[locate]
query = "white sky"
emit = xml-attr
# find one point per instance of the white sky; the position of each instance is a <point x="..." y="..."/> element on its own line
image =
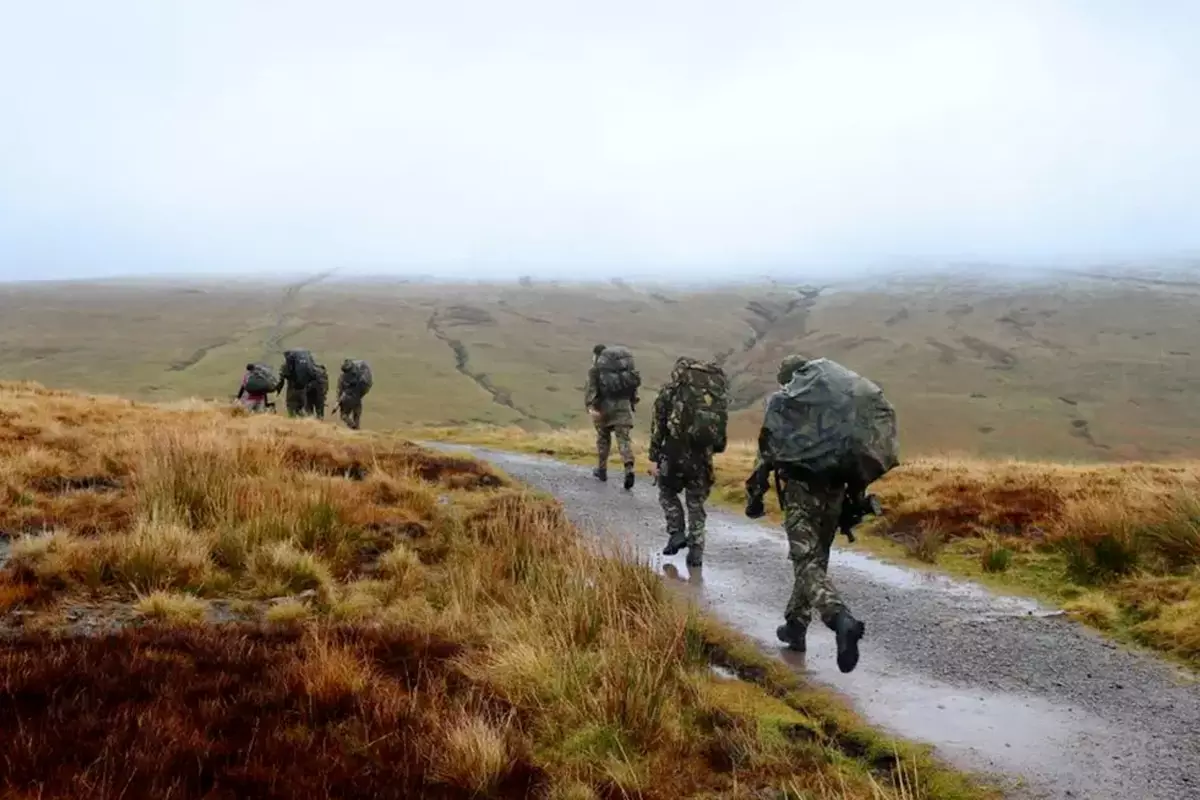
<point x="553" y="137"/>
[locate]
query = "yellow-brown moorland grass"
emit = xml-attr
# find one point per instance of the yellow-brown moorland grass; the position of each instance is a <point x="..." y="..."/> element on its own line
<point x="315" y="613"/>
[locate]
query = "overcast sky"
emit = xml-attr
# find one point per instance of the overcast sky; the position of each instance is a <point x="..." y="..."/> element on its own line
<point x="556" y="137"/>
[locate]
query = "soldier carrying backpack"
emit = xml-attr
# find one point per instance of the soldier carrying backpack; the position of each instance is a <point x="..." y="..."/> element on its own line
<point x="301" y="376"/>
<point x="827" y="434"/>
<point x="687" y="428"/>
<point x="353" y="384"/>
<point x="611" y="397"/>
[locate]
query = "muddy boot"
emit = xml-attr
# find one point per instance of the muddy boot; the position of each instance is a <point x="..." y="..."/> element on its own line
<point x="695" y="556"/>
<point x="600" y="474"/>
<point x="792" y="634"/>
<point x="849" y="631"/>
<point x="677" y="542"/>
<point x="628" y="476"/>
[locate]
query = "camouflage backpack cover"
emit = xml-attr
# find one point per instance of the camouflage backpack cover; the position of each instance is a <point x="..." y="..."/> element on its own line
<point x="616" y="374"/>
<point x="261" y="380"/>
<point x="356" y="377"/>
<point x="699" y="406"/>
<point x="830" y="420"/>
<point x="303" y="367"/>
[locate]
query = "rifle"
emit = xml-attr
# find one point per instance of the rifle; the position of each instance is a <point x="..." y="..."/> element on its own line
<point x="855" y="506"/>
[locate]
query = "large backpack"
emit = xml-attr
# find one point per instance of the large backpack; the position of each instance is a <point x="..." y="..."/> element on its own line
<point x="616" y="375"/>
<point x="699" y="408"/>
<point x="831" y="421"/>
<point x="261" y="380"/>
<point x="303" y="368"/>
<point x="356" y="375"/>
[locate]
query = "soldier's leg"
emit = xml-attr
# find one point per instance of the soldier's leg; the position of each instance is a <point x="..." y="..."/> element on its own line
<point x="356" y="415"/>
<point x="603" y="448"/>
<point x="295" y="402"/>
<point x="668" y="498"/>
<point x="625" y="446"/>
<point x="696" y="491"/>
<point x="810" y="514"/>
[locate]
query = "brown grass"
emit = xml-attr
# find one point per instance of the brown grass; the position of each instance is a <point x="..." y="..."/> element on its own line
<point x="428" y="630"/>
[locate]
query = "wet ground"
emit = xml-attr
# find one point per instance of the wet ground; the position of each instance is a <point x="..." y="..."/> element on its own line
<point x="997" y="684"/>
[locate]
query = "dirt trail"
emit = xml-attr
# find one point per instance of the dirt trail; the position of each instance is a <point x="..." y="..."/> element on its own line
<point x="998" y="685"/>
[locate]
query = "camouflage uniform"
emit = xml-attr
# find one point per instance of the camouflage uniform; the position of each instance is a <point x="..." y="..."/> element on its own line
<point x="349" y="401"/>
<point x="616" y="417"/>
<point x="295" y="397"/>
<point x="811" y="508"/>
<point x="687" y="471"/>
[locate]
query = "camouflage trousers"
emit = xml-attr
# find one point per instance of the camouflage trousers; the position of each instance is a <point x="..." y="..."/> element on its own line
<point x="351" y="410"/>
<point x="314" y="401"/>
<point x="296" y="401"/>
<point x="604" y="434"/>
<point x="695" y="484"/>
<point x="810" y="520"/>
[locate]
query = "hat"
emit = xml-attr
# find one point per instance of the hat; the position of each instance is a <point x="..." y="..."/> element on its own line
<point x="789" y="367"/>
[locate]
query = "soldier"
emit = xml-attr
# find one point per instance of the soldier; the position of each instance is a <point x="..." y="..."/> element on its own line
<point x="610" y="398"/>
<point x="687" y="428"/>
<point x="812" y="507"/>
<point x="256" y="385"/>
<point x="353" y="384"/>
<point x="288" y="375"/>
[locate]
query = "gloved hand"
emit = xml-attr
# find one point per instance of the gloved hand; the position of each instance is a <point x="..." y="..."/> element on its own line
<point x="755" y="508"/>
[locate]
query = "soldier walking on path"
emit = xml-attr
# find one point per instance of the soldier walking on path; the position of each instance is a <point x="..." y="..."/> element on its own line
<point x="611" y="397"/>
<point x="826" y="435"/>
<point x="299" y="373"/>
<point x="686" y="429"/>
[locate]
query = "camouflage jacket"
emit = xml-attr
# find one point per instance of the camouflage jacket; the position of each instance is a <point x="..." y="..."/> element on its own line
<point x="613" y="411"/>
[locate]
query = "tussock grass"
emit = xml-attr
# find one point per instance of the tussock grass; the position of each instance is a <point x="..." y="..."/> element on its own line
<point x="172" y="608"/>
<point x="428" y="630"/>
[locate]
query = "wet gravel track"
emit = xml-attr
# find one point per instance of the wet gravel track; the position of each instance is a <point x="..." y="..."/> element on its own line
<point x="998" y="685"/>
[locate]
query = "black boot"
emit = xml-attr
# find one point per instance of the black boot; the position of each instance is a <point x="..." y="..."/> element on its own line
<point x="695" y="556"/>
<point x="677" y="542"/>
<point x="792" y="634"/>
<point x="849" y="631"/>
<point x="628" y="476"/>
<point x="600" y="473"/>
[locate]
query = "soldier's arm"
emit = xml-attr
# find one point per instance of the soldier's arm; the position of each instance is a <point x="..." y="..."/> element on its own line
<point x="284" y="374"/>
<point x="591" y="395"/>
<point x="759" y="481"/>
<point x="658" y="426"/>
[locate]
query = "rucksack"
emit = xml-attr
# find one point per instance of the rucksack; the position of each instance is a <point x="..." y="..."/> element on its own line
<point x="831" y="421"/>
<point x="356" y="375"/>
<point x="616" y="375"/>
<point x="303" y="367"/>
<point x="699" y="407"/>
<point x="261" y="380"/>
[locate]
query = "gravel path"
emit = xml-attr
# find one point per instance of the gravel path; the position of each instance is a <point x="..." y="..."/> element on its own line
<point x="998" y="685"/>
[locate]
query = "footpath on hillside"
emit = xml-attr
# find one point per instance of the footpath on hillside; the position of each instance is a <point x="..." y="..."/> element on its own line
<point x="999" y="685"/>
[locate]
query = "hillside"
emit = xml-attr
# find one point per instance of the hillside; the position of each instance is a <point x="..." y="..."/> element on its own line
<point x="1081" y="367"/>
<point x="194" y="602"/>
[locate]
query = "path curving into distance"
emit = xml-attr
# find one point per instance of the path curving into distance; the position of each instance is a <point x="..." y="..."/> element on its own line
<point x="999" y="685"/>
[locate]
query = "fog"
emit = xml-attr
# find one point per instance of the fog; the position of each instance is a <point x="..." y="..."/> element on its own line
<point x="559" y="139"/>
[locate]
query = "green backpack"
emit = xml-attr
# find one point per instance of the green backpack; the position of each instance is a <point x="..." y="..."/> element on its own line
<point x="699" y="412"/>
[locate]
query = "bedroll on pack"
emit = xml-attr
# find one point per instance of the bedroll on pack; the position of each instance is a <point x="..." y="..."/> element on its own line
<point x="261" y="380"/>
<point x="830" y="420"/>
<point x="357" y="376"/>
<point x="616" y="374"/>
<point x="303" y="367"/>
<point x="699" y="406"/>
